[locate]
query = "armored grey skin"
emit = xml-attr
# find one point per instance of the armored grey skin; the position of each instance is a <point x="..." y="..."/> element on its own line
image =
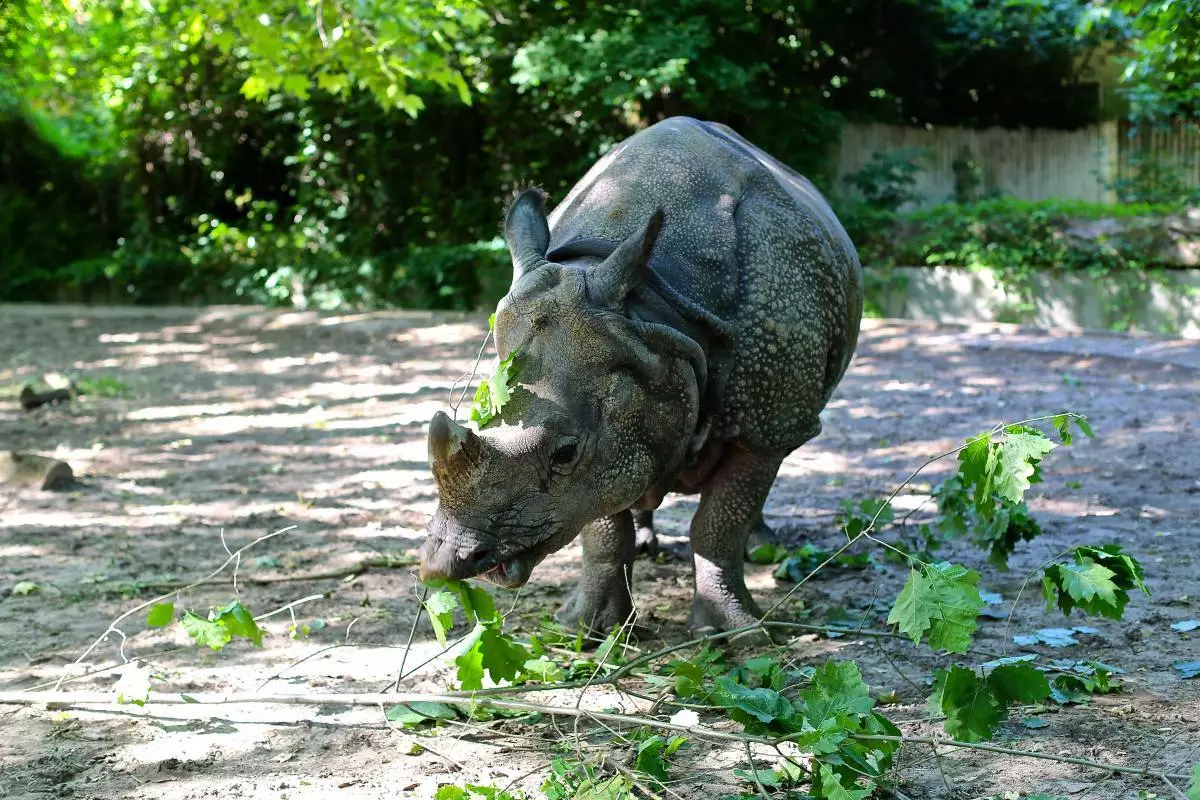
<point x="680" y="320"/>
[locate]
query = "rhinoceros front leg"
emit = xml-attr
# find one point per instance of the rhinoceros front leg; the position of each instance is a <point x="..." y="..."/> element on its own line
<point x="602" y="600"/>
<point x="730" y="508"/>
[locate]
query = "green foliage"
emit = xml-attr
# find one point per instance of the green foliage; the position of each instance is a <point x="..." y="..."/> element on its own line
<point x="986" y="497"/>
<point x="494" y="392"/>
<point x="1080" y="680"/>
<point x="653" y="754"/>
<point x="470" y="791"/>
<point x="1016" y="238"/>
<point x="410" y="715"/>
<point x="1193" y="792"/>
<point x="975" y="706"/>
<point x="1162" y="72"/>
<point x="940" y="603"/>
<point x="835" y="705"/>
<point x="160" y="615"/>
<point x="222" y="625"/>
<point x="260" y="151"/>
<point x="1096" y="581"/>
<point x="573" y="780"/>
<point x="102" y="386"/>
<point x="888" y="180"/>
<point x="487" y="650"/>
<point x="440" y="607"/>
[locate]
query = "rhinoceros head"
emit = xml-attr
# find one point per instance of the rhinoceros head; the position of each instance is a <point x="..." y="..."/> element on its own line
<point x="605" y="406"/>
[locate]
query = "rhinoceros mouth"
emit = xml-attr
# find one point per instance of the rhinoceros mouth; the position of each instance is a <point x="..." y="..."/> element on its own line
<point x="514" y="571"/>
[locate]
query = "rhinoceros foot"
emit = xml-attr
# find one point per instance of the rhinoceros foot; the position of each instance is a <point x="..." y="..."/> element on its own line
<point x="599" y="602"/>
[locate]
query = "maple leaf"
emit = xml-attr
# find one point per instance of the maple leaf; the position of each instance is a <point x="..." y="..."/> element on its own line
<point x="440" y="607"/>
<point x="972" y="712"/>
<point x="1017" y="458"/>
<point x="941" y="601"/>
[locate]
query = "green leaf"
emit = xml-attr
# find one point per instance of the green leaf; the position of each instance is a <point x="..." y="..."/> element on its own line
<point x="763" y="706"/>
<point x="977" y="469"/>
<point x="205" y="632"/>
<point x="832" y="788"/>
<point x="541" y="669"/>
<point x="238" y="620"/>
<point x="972" y="713"/>
<point x="1062" y="424"/>
<point x="470" y="667"/>
<point x="653" y="752"/>
<point x="160" y="615"/>
<point x="450" y="793"/>
<point x="940" y="601"/>
<point x="609" y="651"/>
<point x="767" y="777"/>
<point x="482" y="411"/>
<point x="477" y="603"/>
<point x="837" y="690"/>
<point x="766" y="553"/>
<point x="618" y="787"/>
<point x="502" y="380"/>
<point x="1018" y="457"/>
<point x="1193" y="792"/>
<point x="412" y="714"/>
<point x="494" y="392"/>
<point x="1018" y="682"/>
<point x="440" y="607"/>
<point x="1098" y="582"/>
<point x="503" y="656"/>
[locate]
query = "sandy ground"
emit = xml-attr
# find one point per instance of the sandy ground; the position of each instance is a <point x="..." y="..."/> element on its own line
<point x="240" y="422"/>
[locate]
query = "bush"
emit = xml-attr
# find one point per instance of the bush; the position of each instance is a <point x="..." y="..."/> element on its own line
<point x="1016" y="237"/>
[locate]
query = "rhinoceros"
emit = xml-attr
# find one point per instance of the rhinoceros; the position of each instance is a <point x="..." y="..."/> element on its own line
<point x="679" y="320"/>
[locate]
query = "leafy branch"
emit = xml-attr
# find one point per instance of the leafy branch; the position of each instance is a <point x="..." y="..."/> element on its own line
<point x="57" y="700"/>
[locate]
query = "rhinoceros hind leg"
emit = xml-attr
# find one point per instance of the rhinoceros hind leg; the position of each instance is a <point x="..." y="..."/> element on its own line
<point x="730" y="506"/>
<point x="601" y="599"/>
<point x="645" y="539"/>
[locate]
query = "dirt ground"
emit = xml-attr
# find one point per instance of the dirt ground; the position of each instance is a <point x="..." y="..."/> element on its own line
<point x="239" y="422"/>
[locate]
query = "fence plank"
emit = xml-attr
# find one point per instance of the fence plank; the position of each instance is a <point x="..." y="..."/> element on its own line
<point x="1031" y="164"/>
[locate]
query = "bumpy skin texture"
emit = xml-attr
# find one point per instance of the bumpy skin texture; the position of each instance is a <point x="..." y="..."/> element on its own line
<point x="680" y="319"/>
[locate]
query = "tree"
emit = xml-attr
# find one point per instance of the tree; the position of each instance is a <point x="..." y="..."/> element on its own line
<point x="1162" y="66"/>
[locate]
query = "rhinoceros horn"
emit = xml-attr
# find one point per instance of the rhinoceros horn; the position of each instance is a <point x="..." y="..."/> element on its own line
<point x="527" y="232"/>
<point x="610" y="281"/>
<point x="453" y="452"/>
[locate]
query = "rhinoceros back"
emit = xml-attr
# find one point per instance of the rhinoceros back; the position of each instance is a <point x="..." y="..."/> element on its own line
<point x="753" y="243"/>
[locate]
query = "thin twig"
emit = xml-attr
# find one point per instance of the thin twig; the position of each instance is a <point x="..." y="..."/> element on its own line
<point x="112" y="626"/>
<point x="762" y="790"/>
<point x="1174" y="789"/>
<point x="617" y="766"/>
<point x="66" y="699"/>
<point x="411" y="633"/>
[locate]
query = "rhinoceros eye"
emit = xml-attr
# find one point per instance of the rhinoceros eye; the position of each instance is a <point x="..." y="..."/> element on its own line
<point x="565" y="453"/>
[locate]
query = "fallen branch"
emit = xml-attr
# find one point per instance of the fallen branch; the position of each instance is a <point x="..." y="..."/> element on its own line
<point x="73" y="699"/>
<point x="377" y="562"/>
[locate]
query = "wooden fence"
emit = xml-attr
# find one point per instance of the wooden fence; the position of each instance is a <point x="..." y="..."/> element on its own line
<point x="1031" y="164"/>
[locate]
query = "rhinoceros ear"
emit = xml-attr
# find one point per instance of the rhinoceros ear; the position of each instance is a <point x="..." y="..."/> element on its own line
<point x="527" y="232"/>
<point x="610" y="281"/>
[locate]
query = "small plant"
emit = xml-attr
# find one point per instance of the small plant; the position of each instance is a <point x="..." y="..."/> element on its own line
<point x="888" y="180"/>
